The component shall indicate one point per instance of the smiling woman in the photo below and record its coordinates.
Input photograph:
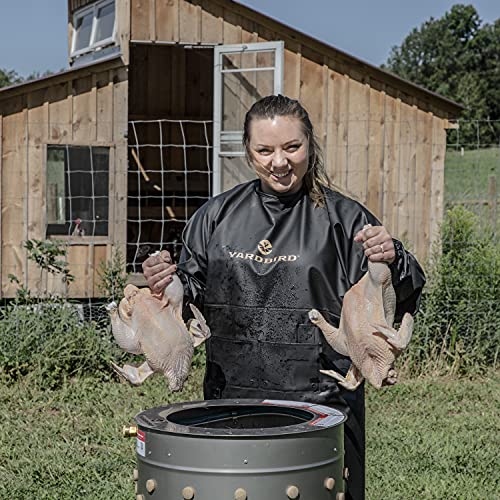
(279, 151)
(258, 257)
(280, 144)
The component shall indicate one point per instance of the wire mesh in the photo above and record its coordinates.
(169, 179)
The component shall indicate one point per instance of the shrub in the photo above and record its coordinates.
(456, 329)
(44, 336)
(49, 341)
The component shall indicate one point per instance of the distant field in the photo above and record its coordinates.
(426, 439)
(466, 176)
(466, 181)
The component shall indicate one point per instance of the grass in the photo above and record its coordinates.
(466, 181)
(466, 176)
(434, 439)
(426, 438)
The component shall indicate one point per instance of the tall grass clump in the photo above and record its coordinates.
(457, 326)
(43, 335)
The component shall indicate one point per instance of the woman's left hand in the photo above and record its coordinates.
(377, 243)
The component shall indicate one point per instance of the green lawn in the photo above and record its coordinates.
(466, 176)
(426, 439)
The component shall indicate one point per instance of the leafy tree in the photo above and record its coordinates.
(8, 77)
(458, 57)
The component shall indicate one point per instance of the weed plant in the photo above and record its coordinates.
(113, 277)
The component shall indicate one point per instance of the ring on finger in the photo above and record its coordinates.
(381, 248)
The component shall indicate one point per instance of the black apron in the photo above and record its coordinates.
(264, 278)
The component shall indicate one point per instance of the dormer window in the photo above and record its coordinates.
(93, 27)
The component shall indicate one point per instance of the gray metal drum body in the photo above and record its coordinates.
(261, 462)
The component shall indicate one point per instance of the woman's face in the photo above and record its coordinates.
(280, 153)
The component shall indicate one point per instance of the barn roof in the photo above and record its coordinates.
(310, 47)
(322, 49)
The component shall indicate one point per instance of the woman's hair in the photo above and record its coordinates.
(279, 105)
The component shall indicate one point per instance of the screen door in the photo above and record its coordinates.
(243, 74)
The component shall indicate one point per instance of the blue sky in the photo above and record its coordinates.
(33, 32)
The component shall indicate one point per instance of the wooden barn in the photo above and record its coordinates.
(117, 152)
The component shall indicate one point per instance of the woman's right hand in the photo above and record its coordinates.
(158, 270)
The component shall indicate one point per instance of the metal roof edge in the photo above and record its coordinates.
(20, 88)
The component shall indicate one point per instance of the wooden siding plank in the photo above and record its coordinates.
(112, 195)
(325, 99)
(120, 124)
(14, 186)
(93, 110)
(140, 19)
(340, 121)
(100, 256)
(411, 181)
(291, 79)
(331, 128)
(152, 20)
(212, 24)
(123, 18)
(36, 217)
(84, 108)
(391, 163)
(59, 114)
(374, 199)
(189, 23)
(104, 105)
(422, 186)
(80, 259)
(437, 181)
(406, 157)
(249, 37)
(358, 140)
(167, 20)
(312, 84)
(232, 31)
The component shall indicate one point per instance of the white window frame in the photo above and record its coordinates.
(92, 44)
(236, 136)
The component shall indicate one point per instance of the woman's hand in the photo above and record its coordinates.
(158, 270)
(377, 243)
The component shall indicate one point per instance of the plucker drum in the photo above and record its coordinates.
(239, 449)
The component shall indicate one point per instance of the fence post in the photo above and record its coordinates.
(492, 202)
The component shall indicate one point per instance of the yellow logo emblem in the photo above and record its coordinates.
(265, 247)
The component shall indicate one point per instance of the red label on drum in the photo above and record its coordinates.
(140, 446)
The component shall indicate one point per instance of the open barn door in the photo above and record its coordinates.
(243, 74)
